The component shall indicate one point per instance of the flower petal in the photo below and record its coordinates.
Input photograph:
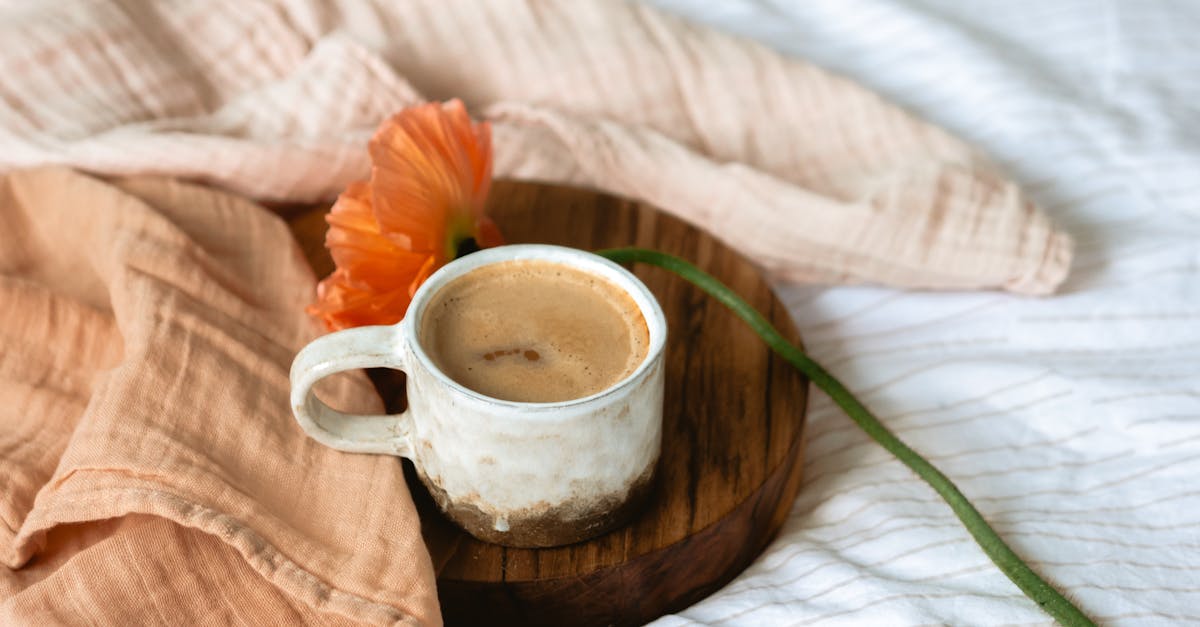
(375, 279)
(360, 250)
(432, 171)
(340, 304)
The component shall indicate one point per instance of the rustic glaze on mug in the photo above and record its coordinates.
(513, 473)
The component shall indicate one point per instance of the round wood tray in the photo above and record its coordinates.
(732, 436)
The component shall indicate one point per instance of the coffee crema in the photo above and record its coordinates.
(534, 331)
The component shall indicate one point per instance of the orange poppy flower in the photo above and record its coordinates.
(430, 175)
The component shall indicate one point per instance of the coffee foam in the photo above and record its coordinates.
(534, 331)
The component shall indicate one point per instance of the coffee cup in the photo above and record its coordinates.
(517, 473)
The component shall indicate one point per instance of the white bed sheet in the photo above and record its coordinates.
(1073, 422)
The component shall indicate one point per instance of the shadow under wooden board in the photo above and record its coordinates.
(732, 436)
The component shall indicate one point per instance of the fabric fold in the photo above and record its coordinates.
(813, 176)
(150, 328)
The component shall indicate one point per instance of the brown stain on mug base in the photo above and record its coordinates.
(544, 525)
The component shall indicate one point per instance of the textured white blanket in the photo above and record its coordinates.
(1072, 421)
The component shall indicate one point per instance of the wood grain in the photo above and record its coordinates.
(732, 437)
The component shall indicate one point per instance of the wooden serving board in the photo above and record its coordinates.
(732, 437)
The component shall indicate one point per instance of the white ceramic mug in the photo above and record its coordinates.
(520, 474)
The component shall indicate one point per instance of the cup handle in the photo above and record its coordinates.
(349, 349)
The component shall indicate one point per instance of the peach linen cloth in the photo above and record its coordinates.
(151, 469)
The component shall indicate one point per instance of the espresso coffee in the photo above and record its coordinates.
(534, 331)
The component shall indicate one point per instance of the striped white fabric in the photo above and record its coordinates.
(1073, 421)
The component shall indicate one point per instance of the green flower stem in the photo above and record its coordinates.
(1018, 571)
